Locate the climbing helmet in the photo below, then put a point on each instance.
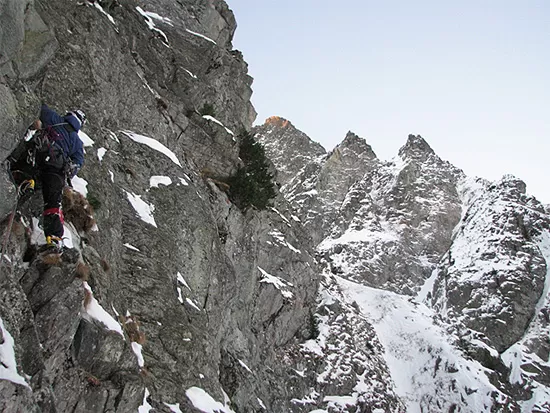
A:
(81, 116)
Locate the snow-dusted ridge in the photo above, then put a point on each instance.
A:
(450, 271)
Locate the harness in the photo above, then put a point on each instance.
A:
(46, 150)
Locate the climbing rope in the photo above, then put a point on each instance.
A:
(10, 223)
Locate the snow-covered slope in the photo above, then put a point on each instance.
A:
(430, 374)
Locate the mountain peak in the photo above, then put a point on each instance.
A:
(278, 121)
(357, 144)
(352, 137)
(416, 147)
(288, 147)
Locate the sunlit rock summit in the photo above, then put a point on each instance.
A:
(366, 285)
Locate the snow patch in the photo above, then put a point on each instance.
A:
(213, 119)
(336, 402)
(192, 304)
(308, 399)
(204, 402)
(97, 312)
(278, 235)
(157, 180)
(8, 364)
(146, 84)
(182, 281)
(151, 24)
(101, 153)
(261, 403)
(427, 288)
(180, 296)
(153, 144)
(175, 408)
(129, 246)
(277, 282)
(37, 235)
(102, 10)
(70, 234)
(143, 209)
(113, 136)
(190, 74)
(158, 17)
(145, 406)
(80, 185)
(243, 364)
(136, 348)
(283, 217)
(200, 35)
(86, 140)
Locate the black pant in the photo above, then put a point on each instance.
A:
(53, 182)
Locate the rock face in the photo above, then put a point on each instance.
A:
(316, 183)
(494, 272)
(27, 46)
(492, 284)
(367, 286)
(188, 299)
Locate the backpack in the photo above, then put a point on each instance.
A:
(47, 152)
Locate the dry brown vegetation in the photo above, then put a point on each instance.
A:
(87, 298)
(105, 265)
(53, 258)
(77, 210)
(82, 271)
(130, 325)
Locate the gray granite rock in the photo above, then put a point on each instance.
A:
(191, 294)
(206, 283)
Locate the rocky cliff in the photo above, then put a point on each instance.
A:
(367, 285)
(175, 300)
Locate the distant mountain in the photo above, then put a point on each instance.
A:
(468, 259)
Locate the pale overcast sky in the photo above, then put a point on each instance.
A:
(472, 77)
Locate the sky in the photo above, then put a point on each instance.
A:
(471, 77)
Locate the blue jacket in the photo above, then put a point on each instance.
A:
(70, 142)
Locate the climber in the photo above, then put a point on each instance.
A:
(52, 156)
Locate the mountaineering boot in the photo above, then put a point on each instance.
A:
(26, 187)
(53, 244)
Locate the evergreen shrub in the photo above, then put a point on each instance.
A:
(252, 184)
(207, 109)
